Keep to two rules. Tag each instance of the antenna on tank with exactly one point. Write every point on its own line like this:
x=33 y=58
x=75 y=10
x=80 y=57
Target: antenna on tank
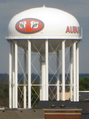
x=44 y=5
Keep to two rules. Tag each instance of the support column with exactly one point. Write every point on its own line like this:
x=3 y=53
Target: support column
x=58 y=89
x=63 y=70
x=46 y=70
x=29 y=74
x=16 y=75
x=77 y=53
x=24 y=79
x=13 y=75
x=74 y=69
x=42 y=68
x=10 y=77
x=71 y=73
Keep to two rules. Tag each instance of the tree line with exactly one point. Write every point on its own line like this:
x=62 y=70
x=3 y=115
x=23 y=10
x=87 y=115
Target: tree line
x=4 y=90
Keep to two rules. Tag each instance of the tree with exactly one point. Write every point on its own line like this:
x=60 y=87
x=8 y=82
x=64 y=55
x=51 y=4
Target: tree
x=4 y=95
x=84 y=84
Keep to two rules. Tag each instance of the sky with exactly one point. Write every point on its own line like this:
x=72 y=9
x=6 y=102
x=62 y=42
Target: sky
x=78 y=8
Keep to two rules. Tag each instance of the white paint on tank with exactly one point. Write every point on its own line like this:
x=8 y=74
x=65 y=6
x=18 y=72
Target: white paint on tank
x=56 y=23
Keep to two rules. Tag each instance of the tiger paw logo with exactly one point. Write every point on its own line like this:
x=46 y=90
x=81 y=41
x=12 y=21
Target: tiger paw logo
x=29 y=26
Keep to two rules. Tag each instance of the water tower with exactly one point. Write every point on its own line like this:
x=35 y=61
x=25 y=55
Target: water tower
x=44 y=30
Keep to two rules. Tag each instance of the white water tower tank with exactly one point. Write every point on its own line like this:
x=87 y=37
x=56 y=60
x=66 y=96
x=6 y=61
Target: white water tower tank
x=43 y=23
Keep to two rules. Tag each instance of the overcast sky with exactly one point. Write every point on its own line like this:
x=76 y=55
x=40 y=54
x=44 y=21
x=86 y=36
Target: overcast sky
x=78 y=8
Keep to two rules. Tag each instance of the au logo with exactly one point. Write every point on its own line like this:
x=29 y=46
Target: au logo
x=29 y=26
